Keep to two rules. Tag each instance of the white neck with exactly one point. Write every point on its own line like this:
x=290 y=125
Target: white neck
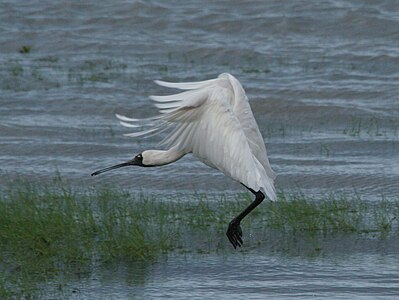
x=161 y=157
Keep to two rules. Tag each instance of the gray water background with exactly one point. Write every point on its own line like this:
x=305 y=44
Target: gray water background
x=321 y=76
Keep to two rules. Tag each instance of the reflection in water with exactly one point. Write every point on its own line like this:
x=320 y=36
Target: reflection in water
x=253 y=274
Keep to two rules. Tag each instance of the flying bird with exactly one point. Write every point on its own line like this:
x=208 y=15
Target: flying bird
x=212 y=120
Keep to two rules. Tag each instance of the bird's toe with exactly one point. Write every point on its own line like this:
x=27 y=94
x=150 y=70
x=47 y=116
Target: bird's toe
x=234 y=234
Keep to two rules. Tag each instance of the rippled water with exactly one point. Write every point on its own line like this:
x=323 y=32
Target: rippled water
x=252 y=277
x=347 y=268
x=322 y=78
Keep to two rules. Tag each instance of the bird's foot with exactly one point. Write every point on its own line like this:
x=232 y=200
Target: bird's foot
x=234 y=233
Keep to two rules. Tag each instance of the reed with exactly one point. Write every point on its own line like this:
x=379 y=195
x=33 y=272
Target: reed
x=47 y=231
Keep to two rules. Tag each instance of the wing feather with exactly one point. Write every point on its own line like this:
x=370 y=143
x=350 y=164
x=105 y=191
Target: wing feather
x=186 y=85
x=213 y=120
x=244 y=113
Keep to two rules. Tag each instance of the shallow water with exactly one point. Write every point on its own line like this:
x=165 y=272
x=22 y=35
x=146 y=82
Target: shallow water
x=322 y=78
x=254 y=275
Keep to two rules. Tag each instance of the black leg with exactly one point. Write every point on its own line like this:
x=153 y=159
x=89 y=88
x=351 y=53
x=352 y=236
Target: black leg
x=234 y=232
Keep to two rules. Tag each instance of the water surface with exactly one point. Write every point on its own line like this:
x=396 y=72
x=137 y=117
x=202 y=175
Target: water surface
x=322 y=78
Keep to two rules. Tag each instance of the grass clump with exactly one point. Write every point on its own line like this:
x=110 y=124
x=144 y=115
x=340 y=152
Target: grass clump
x=333 y=214
x=51 y=231
x=25 y=49
x=48 y=231
x=371 y=126
x=298 y=213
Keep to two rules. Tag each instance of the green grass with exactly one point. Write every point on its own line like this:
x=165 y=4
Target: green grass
x=372 y=126
x=45 y=72
x=48 y=231
x=25 y=49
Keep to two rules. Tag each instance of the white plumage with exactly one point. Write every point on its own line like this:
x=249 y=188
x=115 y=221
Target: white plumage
x=212 y=120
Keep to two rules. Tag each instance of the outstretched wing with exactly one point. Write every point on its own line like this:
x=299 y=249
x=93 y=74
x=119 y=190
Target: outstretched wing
x=206 y=120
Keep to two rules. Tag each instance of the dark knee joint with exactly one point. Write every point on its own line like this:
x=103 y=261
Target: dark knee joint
x=259 y=197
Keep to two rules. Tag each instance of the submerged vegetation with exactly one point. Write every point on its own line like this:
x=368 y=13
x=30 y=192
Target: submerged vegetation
x=44 y=72
x=372 y=126
x=47 y=231
x=25 y=49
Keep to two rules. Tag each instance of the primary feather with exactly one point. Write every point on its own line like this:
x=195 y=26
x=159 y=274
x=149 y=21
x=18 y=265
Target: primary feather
x=213 y=120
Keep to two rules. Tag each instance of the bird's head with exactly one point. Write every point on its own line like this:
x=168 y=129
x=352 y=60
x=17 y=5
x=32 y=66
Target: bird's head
x=136 y=161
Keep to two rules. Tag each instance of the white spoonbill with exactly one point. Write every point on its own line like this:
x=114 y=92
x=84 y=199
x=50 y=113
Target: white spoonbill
x=212 y=120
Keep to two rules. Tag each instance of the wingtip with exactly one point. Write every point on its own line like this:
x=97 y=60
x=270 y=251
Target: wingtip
x=125 y=124
x=126 y=119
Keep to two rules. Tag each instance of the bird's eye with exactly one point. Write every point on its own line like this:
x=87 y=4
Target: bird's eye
x=139 y=156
